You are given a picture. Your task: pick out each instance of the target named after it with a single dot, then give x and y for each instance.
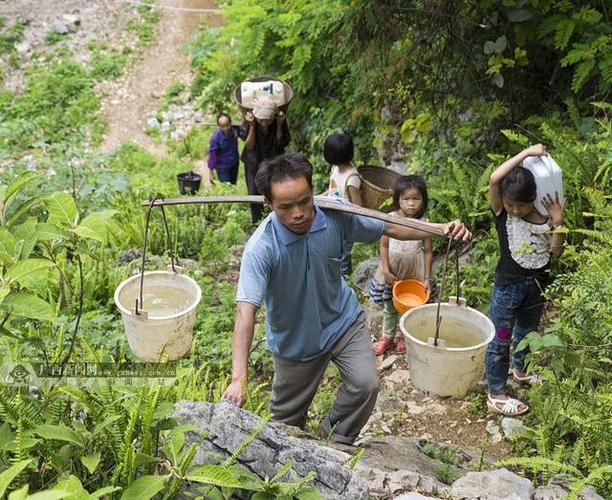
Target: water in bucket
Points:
(454, 332)
(160, 301)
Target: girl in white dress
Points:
(401, 260)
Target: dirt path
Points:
(139, 93)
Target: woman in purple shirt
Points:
(223, 149)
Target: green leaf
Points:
(60, 433)
(499, 80)
(144, 487)
(46, 231)
(27, 233)
(519, 15)
(218, 475)
(26, 267)
(91, 462)
(4, 291)
(52, 495)
(11, 473)
(107, 490)
(23, 208)
(7, 246)
(20, 494)
(74, 487)
(62, 209)
(18, 184)
(28, 305)
(92, 227)
(552, 341)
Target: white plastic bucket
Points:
(446, 370)
(548, 177)
(158, 337)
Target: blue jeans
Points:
(228, 174)
(515, 311)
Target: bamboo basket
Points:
(288, 91)
(376, 185)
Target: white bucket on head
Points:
(454, 366)
(165, 330)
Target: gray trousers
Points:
(295, 384)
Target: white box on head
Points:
(251, 92)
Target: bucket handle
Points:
(138, 307)
(442, 286)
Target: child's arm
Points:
(504, 169)
(428, 261)
(384, 260)
(555, 210)
(355, 196)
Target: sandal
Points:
(383, 345)
(533, 379)
(508, 407)
(400, 346)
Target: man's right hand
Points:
(235, 392)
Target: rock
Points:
(402, 480)
(153, 123)
(414, 408)
(388, 403)
(72, 20)
(373, 318)
(223, 427)
(413, 496)
(493, 429)
(128, 256)
(512, 427)
(590, 493)
(398, 453)
(388, 362)
(188, 263)
(382, 483)
(559, 487)
(549, 493)
(363, 273)
(496, 484)
(22, 47)
(398, 380)
(60, 28)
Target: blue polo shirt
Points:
(308, 304)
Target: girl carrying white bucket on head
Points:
(401, 260)
(526, 241)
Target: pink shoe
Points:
(383, 345)
(400, 346)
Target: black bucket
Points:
(188, 182)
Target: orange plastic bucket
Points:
(409, 293)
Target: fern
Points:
(563, 33)
(599, 474)
(581, 74)
(540, 464)
(151, 398)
